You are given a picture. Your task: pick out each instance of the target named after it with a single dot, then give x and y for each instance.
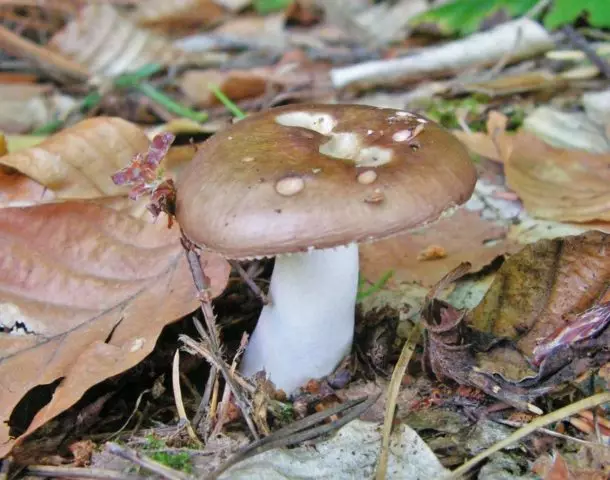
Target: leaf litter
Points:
(525, 326)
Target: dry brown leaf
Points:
(237, 85)
(177, 14)
(553, 183)
(464, 237)
(534, 290)
(559, 184)
(18, 190)
(78, 161)
(84, 294)
(101, 39)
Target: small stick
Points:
(581, 44)
(298, 432)
(178, 398)
(539, 422)
(75, 472)
(392, 396)
(226, 394)
(205, 400)
(213, 338)
(246, 278)
(146, 462)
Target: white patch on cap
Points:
(374, 157)
(402, 136)
(404, 114)
(318, 122)
(348, 147)
(368, 177)
(289, 186)
(341, 145)
(247, 159)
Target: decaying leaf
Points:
(539, 289)
(464, 237)
(78, 161)
(84, 293)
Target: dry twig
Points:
(77, 472)
(146, 462)
(211, 337)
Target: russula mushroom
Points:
(305, 184)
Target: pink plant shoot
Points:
(145, 176)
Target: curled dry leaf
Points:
(559, 184)
(464, 237)
(84, 294)
(544, 287)
(78, 161)
(553, 183)
(101, 39)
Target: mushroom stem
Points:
(309, 325)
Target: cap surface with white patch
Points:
(303, 176)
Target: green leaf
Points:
(564, 12)
(466, 16)
(267, 6)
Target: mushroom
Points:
(305, 184)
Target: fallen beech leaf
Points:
(18, 190)
(84, 293)
(559, 184)
(78, 161)
(539, 289)
(464, 236)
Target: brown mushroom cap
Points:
(267, 185)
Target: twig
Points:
(246, 278)
(546, 431)
(226, 394)
(539, 422)
(211, 337)
(481, 49)
(146, 462)
(300, 431)
(75, 472)
(41, 56)
(581, 44)
(178, 397)
(134, 411)
(390, 406)
(205, 400)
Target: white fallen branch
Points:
(508, 42)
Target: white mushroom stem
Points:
(309, 325)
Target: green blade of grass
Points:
(226, 101)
